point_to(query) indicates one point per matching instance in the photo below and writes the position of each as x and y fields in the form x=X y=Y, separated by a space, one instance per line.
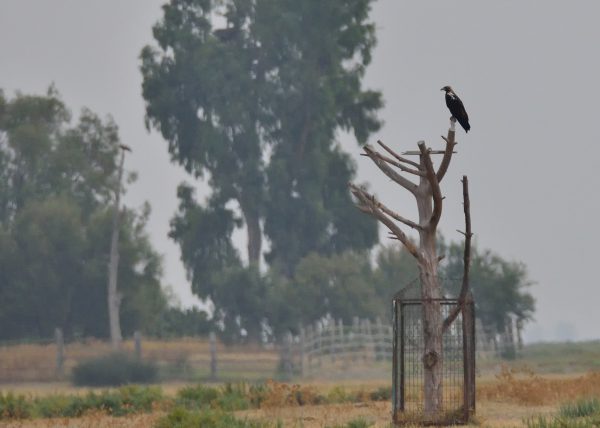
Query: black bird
x=457 y=108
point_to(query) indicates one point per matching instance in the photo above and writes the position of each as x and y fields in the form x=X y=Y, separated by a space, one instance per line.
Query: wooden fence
x=330 y=347
x=325 y=349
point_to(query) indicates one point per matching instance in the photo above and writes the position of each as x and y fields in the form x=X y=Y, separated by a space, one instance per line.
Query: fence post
x=468 y=327
x=309 y=343
x=137 y=345
x=212 y=342
x=380 y=339
x=355 y=337
x=319 y=334
x=302 y=344
x=286 y=356
x=370 y=340
x=341 y=349
x=332 y=340
x=60 y=351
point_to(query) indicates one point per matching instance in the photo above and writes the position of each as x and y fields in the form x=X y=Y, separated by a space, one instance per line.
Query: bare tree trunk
x=432 y=311
x=114 y=298
x=254 y=237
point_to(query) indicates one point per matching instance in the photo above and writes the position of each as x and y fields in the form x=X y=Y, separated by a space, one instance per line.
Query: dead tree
x=429 y=200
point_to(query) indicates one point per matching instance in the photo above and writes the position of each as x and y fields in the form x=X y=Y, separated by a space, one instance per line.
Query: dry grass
x=526 y=388
x=504 y=401
x=94 y=420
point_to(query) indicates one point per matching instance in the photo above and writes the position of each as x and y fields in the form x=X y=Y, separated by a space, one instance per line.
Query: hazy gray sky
x=527 y=71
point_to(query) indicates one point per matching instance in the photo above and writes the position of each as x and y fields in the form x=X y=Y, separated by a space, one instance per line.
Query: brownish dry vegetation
x=189 y=357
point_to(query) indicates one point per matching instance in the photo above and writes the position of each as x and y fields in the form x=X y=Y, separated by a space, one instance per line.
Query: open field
x=186 y=358
x=538 y=383
x=504 y=401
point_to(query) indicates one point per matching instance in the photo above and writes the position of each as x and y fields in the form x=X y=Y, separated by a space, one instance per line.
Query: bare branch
x=397 y=156
x=450 y=143
x=435 y=187
x=464 y=289
x=418 y=153
x=391 y=161
x=387 y=170
x=373 y=200
x=369 y=202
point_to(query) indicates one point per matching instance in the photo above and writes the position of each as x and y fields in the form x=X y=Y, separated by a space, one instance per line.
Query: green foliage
x=579 y=414
x=550 y=422
x=338 y=285
x=123 y=401
x=498 y=286
x=254 y=108
x=112 y=370
x=57 y=182
x=179 y=322
x=580 y=408
x=355 y=423
x=182 y=418
x=233 y=396
x=383 y=393
x=196 y=397
x=14 y=406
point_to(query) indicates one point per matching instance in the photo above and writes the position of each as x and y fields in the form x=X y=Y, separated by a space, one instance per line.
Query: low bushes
x=195 y=400
x=114 y=370
x=123 y=401
x=207 y=418
x=582 y=413
x=14 y=406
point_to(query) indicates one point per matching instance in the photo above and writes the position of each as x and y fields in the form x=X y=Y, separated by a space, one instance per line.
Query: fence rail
x=324 y=349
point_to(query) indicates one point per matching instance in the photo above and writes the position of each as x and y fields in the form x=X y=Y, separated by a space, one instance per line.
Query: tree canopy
x=254 y=106
x=57 y=182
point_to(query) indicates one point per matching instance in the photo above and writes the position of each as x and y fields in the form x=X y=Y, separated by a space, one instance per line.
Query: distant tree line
x=56 y=182
x=254 y=108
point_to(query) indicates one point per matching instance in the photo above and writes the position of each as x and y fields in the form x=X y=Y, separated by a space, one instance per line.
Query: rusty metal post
x=60 y=352
x=468 y=327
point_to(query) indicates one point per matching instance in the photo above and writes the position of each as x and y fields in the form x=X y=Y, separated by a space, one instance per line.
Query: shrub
x=233 y=397
x=383 y=393
x=113 y=370
x=54 y=406
x=196 y=396
x=543 y=422
x=580 y=408
x=182 y=418
x=338 y=395
x=14 y=406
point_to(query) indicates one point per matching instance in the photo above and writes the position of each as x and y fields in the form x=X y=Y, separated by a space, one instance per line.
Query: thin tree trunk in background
x=254 y=237
x=114 y=298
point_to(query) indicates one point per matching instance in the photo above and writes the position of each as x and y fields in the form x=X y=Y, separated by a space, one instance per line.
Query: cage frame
x=467 y=318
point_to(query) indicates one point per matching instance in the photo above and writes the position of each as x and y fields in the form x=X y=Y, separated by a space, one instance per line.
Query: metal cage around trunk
x=458 y=363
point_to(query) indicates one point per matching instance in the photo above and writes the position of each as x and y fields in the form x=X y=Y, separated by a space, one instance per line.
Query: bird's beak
x=442 y=89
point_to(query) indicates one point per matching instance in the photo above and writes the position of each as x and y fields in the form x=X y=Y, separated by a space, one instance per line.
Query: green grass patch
x=580 y=408
x=207 y=418
x=579 y=414
x=123 y=401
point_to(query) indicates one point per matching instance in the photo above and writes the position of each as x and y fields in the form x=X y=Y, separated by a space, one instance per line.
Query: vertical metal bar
x=473 y=361
x=465 y=358
x=469 y=357
x=402 y=366
x=395 y=394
